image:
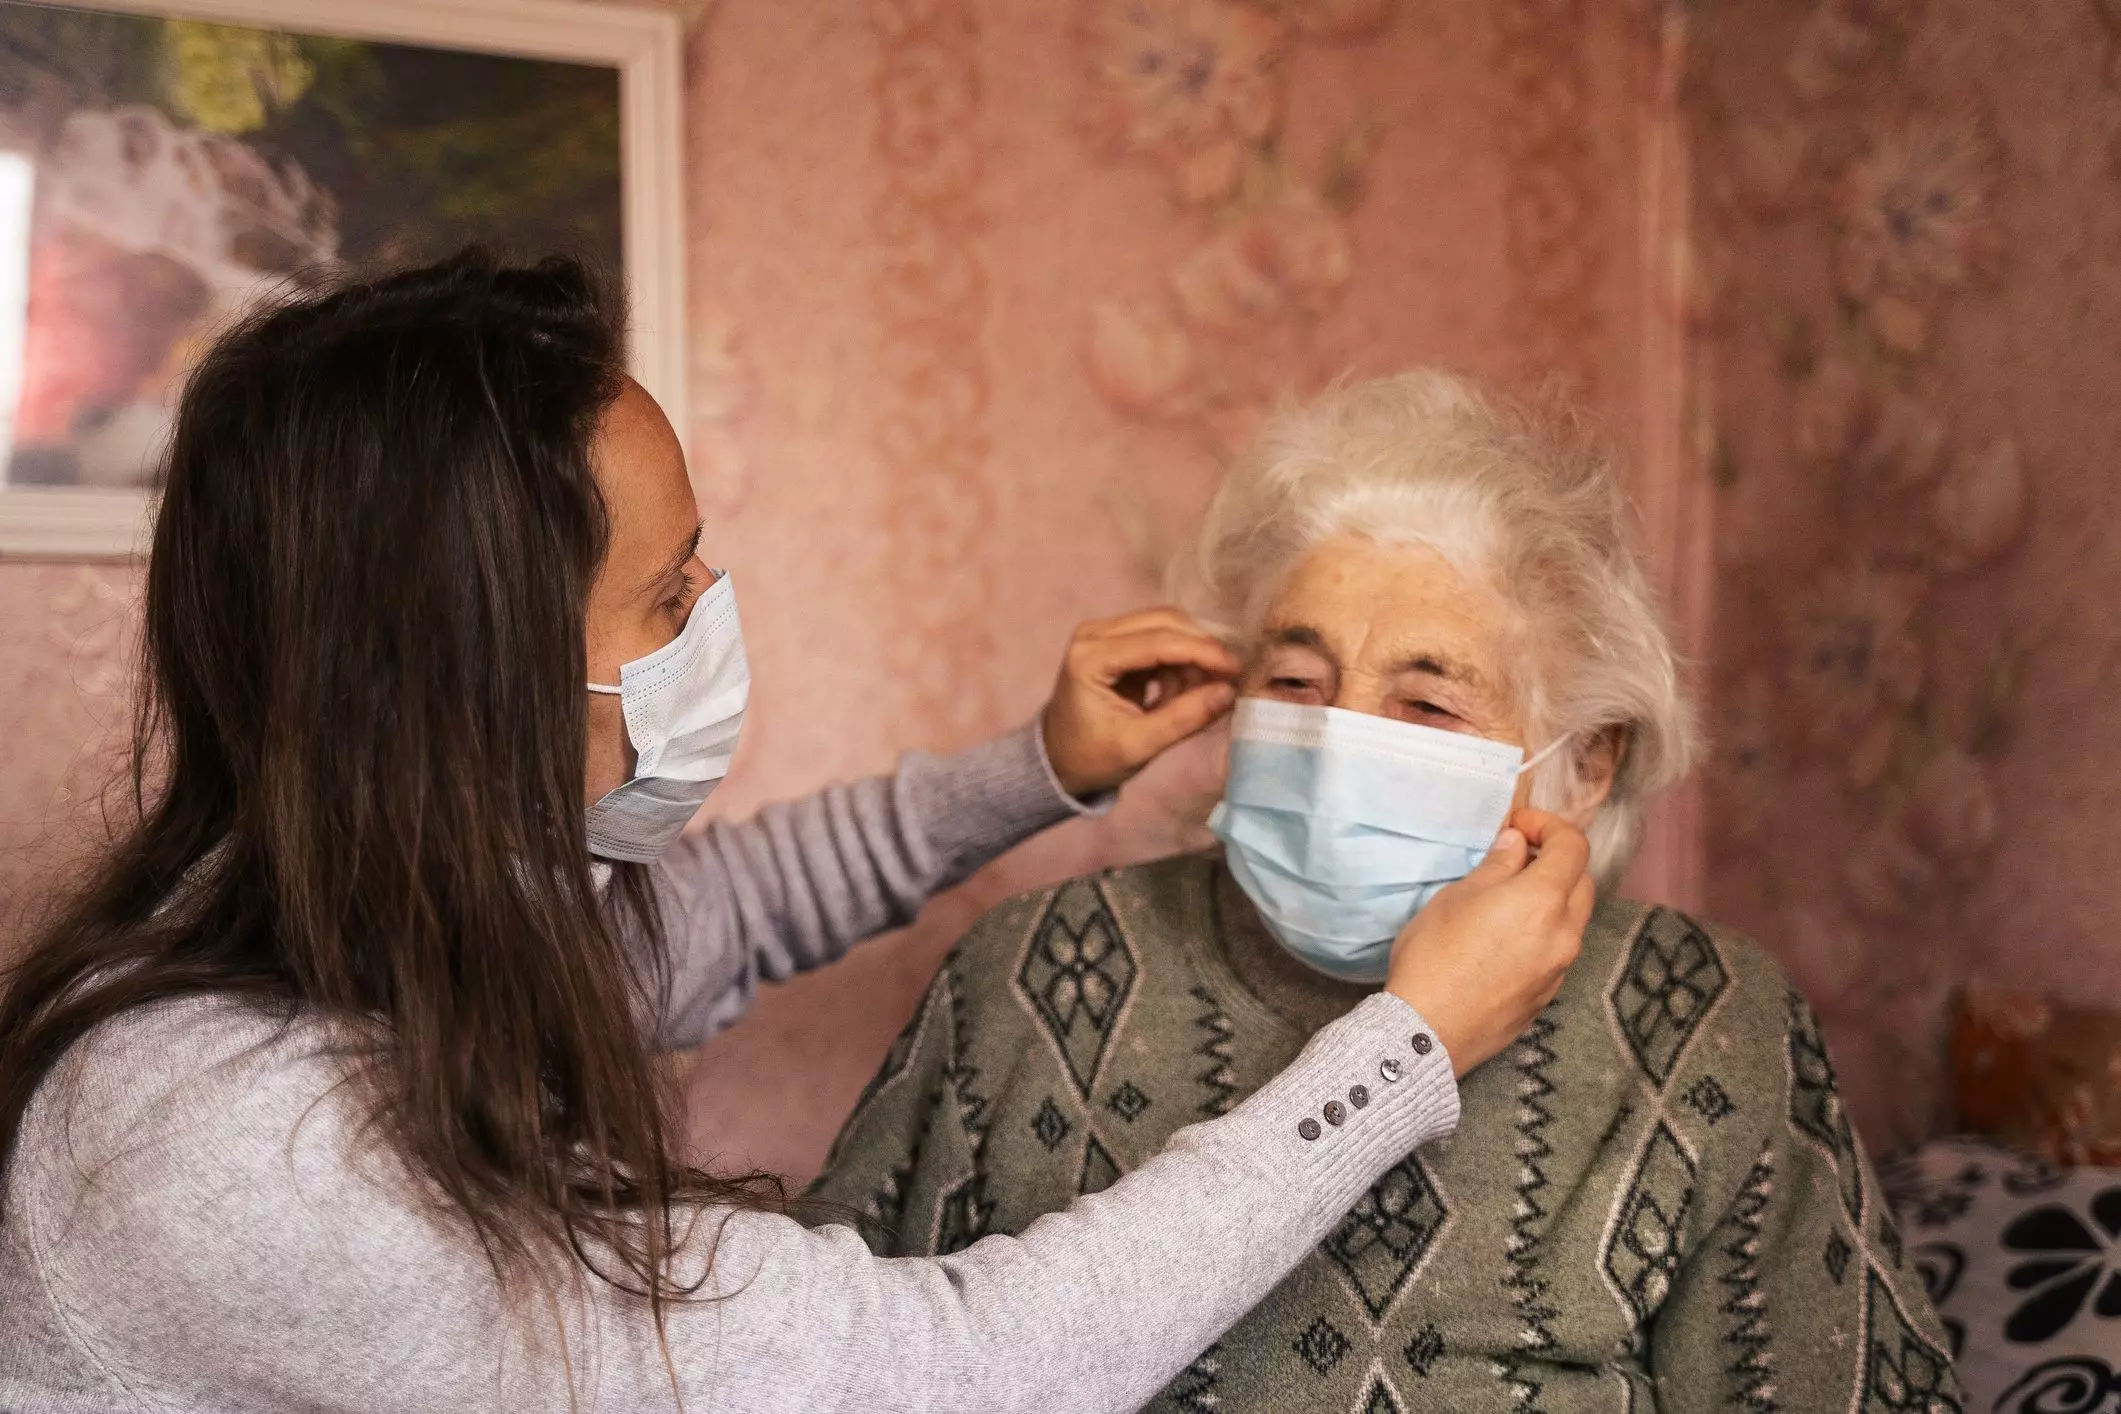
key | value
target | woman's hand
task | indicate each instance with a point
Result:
(1129, 689)
(1490, 951)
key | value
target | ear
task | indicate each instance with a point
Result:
(1597, 766)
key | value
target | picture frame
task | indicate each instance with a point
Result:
(643, 46)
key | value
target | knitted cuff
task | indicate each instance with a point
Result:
(1092, 808)
(1367, 1091)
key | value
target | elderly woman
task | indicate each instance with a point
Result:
(1654, 1200)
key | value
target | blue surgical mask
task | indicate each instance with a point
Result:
(684, 707)
(1341, 826)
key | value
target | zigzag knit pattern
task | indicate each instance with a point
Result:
(1752, 1370)
(960, 1072)
(1535, 1087)
(1644, 1207)
(1218, 1079)
(1193, 1392)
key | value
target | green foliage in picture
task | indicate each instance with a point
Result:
(421, 150)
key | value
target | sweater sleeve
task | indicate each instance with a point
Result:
(798, 884)
(1802, 1296)
(257, 1254)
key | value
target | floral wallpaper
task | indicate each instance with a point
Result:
(979, 298)
(1906, 228)
(1198, 87)
(997, 290)
(67, 638)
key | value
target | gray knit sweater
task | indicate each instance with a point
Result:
(1654, 1201)
(196, 1221)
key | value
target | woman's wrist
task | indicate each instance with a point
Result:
(1367, 1089)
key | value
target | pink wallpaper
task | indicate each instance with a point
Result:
(65, 638)
(976, 307)
(1907, 251)
(996, 305)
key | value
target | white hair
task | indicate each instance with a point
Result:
(1513, 496)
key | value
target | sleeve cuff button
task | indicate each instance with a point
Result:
(1308, 1128)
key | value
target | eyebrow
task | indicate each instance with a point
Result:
(1303, 636)
(1441, 665)
(676, 562)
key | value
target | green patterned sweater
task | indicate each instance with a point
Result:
(1654, 1200)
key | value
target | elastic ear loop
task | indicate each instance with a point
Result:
(1545, 751)
(719, 576)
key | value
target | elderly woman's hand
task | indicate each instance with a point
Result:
(1491, 950)
(1129, 689)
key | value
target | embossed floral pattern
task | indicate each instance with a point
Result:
(1917, 221)
(1139, 357)
(1833, 44)
(1193, 84)
(1198, 86)
(1839, 38)
(1856, 663)
(1951, 812)
(1335, 19)
(1886, 875)
(1867, 433)
(1772, 163)
(1978, 510)
(1823, 951)
(1288, 254)
(1744, 762)
(1868, 180)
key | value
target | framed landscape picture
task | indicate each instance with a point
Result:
(163, 167)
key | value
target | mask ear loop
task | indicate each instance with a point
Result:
(611, 690)
(1545, 751)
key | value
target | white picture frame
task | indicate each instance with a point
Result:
(645, 47)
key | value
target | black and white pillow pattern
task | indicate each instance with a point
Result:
(2023, 1263)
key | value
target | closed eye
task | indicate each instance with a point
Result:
(681, 598)
(1424, 712)
(1296, 672)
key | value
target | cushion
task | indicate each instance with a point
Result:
(2023, 1262)
(2039, 1075)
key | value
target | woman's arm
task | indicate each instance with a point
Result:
(200, 1214)
(259, 1251)
(801, 883)
(1095, 1307)
(798, 884)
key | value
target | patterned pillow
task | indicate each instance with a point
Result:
(2023, 1262)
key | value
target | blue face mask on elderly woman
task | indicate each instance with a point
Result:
(1341, 826)
(684, 707)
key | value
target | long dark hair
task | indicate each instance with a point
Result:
(358, 768)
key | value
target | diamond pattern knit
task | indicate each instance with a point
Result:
(1654, 1201)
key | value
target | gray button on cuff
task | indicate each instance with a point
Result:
(1359, 1095)
(1335, 1112)
(1308, 1128)
(1423, 1044)
(1391, 1069)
